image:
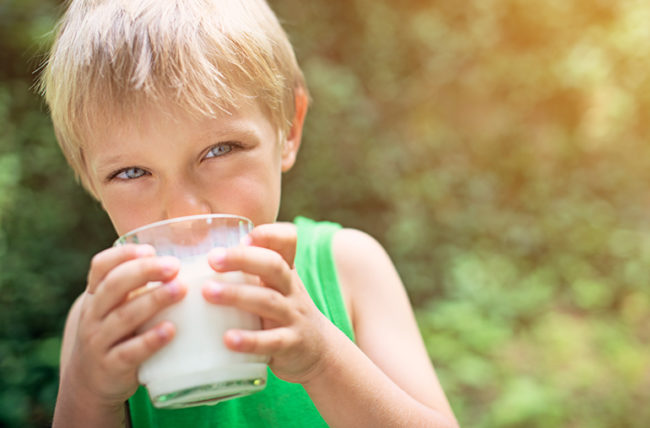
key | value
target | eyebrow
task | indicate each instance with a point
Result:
(106, 167)
(239, 131)
(222, 133)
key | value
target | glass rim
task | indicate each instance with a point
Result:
(180, 219)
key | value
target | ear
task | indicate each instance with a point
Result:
(292, 143)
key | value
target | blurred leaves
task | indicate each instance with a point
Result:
(497, 148)
(48, 228)
(499, 151)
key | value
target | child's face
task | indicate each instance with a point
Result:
(164, 166)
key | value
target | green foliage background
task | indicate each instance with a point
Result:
(497, 148)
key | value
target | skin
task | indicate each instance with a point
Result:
(171, 165)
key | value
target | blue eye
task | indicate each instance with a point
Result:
(130, 173)
(219, 150)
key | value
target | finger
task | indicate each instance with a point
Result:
(279, 237)
(260, 342)
(272, 269)
(128, 317)
(262, 301)
(102, 263)
(131, 275)
(133, 352)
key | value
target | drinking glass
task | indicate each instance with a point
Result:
(196, 368)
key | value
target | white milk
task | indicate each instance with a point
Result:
(196, 367)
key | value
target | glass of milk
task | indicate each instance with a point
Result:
(196, 368)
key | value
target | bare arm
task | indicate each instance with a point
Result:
(387, 380)
(74, 407)
(101, 349)
(391, 382)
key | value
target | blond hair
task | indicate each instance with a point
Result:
(112, 57)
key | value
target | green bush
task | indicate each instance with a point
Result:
(496, 148)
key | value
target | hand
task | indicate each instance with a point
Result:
(293, 329)
(107, 351)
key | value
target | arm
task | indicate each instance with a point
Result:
(386, 381)
(72, 408)
(399, 385)
(101, 352)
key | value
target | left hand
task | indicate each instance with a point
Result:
(294, 331)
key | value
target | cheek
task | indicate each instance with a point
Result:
(256, 197)
(126, 217)
(128, 211)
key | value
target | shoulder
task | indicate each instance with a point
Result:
(360, 259)
(366, 273)
(351, 247)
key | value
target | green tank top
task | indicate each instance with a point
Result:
(280, 404)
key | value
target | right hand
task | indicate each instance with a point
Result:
(106, 350)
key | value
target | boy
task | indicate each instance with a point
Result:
(166, 108)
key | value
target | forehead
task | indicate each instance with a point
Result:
(169, 128)
(158, 119)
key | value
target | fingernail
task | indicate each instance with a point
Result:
(235, 338)
(163, 332)
(145, 250)
(173, 289)
(217, 256)
(169, 264)
(214, 289)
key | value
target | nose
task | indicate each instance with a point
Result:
(184, 199)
